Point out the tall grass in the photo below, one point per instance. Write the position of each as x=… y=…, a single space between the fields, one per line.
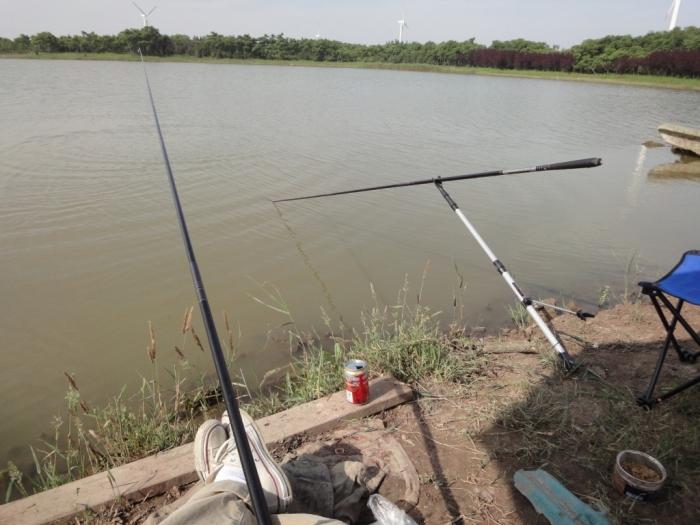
x=404 y=340
x=86 y=440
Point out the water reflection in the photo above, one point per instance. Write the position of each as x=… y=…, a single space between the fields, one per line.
x=687 y=167
x=636 y=180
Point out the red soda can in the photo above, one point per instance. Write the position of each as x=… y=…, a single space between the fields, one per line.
x=356 y=382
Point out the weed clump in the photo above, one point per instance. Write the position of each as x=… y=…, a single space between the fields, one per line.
x=403 y=340
x=408 y=342
x=86 y=440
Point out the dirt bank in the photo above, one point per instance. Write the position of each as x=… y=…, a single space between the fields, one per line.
x=524 y=412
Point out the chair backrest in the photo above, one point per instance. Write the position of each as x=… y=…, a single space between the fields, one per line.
x=683 y=281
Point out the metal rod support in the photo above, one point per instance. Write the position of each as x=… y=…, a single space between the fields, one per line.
x=544 y=327
x=579 y=313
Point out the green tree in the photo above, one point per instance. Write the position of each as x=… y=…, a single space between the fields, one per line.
x=6 y=45
x=45 y=42
x=148 y=39
x=182 y=45
x=522 y=45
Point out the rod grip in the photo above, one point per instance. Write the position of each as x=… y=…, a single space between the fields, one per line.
x=572 y=164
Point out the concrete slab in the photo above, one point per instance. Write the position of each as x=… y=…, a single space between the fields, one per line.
x=156 y=474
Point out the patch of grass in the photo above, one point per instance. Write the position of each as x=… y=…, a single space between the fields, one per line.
x=535 y=422
x=632 y=271
x=88 y=439
x=604 y=296
x=518 y=314
x=576 y=430
x=404 y=340
x=408 y=342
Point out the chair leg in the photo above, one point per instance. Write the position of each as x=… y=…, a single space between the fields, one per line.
x=685 y=355
x=654 y=296
x=646 y=399
x=678 y=389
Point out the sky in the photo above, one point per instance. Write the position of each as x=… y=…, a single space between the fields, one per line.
x=557 y=22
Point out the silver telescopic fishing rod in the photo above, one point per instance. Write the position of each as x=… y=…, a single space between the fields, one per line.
x=524 y=300
x=257 y=496
x=528 y=303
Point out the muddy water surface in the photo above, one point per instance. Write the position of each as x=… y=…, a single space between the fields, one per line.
x=91 y=250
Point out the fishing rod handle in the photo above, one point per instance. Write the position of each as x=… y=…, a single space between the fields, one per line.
x=571 y=164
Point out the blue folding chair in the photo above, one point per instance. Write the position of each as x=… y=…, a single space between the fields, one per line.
x=683 y=283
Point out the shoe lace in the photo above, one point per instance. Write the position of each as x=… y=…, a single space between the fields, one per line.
x=226 y=449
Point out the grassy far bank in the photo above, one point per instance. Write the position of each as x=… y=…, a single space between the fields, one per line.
x=690 y=84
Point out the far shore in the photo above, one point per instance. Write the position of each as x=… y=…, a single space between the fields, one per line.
x=687 y=84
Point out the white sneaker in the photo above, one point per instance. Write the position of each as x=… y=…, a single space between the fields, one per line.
x=275 y=485
x=211 y=437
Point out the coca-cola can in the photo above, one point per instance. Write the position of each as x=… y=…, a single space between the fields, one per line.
x=356 y=382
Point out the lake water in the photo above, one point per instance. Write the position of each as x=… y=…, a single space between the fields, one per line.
x=91 y=249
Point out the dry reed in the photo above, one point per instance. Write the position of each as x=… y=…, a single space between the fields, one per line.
x=187 y=320
x=229 y=335
x=151 y=348
x=196 y=339
x=71 y=381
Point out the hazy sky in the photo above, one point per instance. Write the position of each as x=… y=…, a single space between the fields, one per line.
x=562 y=22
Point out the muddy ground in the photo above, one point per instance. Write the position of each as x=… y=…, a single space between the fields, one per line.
x=524 y=411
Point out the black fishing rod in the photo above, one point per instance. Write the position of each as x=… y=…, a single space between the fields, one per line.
x=528 y=303
x=570 y=165
x=257 y=496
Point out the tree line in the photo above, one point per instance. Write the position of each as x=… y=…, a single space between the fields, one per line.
x=674 y=52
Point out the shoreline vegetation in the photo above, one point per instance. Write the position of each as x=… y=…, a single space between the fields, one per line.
x=493 y=403
x=669 y=59
x=655 y=81
x=496 y=403
x=406 y=341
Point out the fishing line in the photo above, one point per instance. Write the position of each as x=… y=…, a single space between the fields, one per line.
x=543 y=290
x=316 y=273
x=526 y=301
x=309 y=266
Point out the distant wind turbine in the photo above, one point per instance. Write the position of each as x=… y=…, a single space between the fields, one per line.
x=402 y=27
x=144 y=14
x=672 y=14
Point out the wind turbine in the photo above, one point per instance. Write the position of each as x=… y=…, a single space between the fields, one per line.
x=144 y=14
x=673 y=14
x=402 y=26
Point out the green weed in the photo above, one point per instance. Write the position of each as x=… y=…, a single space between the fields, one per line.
x=404 y=340
x=518 y=314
